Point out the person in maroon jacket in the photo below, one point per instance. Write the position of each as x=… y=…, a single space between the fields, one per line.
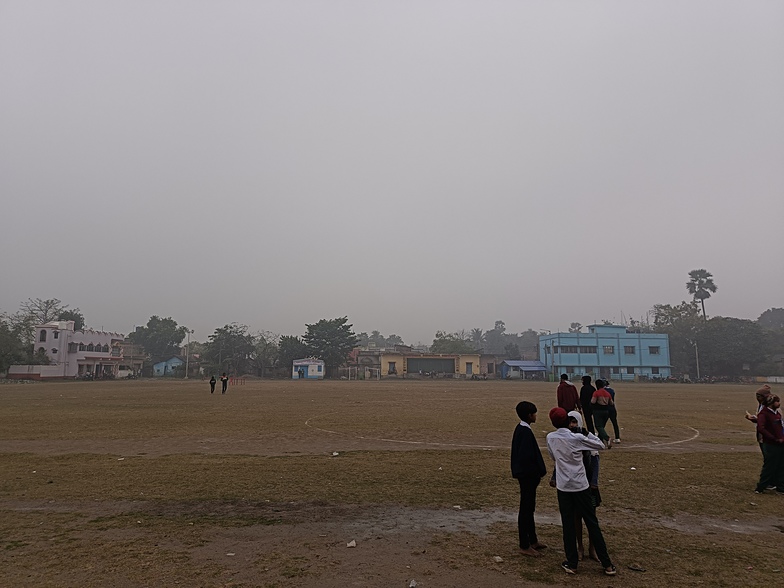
x=770 y=431
x=567 y=395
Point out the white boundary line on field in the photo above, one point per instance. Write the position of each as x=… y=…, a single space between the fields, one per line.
x=648 y=445
x=638 y=446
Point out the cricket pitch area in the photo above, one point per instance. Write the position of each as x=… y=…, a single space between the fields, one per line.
x=160 y=483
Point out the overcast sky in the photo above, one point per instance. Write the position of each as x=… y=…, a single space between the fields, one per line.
x=416 y=166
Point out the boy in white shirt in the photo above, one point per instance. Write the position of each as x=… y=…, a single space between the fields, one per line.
x=574 y=495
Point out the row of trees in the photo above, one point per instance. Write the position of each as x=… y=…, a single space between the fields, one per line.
x=234 y=349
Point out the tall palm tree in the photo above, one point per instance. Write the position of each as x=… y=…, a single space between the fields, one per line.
x=701 y=286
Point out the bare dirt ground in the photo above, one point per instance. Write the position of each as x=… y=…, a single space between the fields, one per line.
x=151 y=484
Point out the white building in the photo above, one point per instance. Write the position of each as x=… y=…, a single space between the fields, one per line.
x=72 y=354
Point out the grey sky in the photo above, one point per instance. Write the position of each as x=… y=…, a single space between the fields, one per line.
x=414 y=165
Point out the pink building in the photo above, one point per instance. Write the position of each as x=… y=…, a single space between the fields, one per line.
x=72 y=354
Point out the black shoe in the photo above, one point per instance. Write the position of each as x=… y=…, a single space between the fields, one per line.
x=568 y=569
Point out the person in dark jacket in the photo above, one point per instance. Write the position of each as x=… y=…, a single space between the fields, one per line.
x=586 y=393
x=529 y=469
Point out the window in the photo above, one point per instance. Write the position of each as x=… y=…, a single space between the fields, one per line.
x=392 y=369
x=42 y=338
x=655 y=371
x=587 y=349
x=555 y=348
x=91 y=347
x=319 y=367
x=570 y=370
x=41 y=350
x=56 y=334
x=653 y=350
x=82 y=347
x=54 y=350
x=73 y=348
x=616 y=370
x=490 y=368
x=105 y=349
x=629 y=349
x=569 y=348
x=608 y=349
x=629 y=370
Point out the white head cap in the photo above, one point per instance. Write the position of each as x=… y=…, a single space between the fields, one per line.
x=576 y=415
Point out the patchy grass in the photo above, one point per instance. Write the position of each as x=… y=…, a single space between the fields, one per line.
x=150 y=483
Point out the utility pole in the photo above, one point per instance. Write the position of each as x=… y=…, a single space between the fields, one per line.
x=188 y=353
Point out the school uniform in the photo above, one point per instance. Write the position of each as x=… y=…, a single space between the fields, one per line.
x=529 y=469
x=574 y=495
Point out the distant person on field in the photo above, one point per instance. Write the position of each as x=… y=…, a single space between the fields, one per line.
x=224 y=382
x=574 y=493
x=586 y=393
x=762 y=395
x=770 y=429
x=600 y=407
x=567 y=396
x=212 y=384
x=529 y=469
x=613 y=412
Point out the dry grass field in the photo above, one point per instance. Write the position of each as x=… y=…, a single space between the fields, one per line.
x=149 y=483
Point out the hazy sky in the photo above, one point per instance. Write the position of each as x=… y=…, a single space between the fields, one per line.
x=414 y=165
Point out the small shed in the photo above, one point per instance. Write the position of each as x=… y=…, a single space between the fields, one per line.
x=167 y=368
x=522 y=369
x=308 y=368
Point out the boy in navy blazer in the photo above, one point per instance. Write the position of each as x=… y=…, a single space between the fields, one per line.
x=528 y=467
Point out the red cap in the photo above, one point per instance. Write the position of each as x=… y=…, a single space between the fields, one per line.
x=558 y=417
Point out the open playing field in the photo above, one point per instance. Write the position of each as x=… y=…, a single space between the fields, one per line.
x=149 y=483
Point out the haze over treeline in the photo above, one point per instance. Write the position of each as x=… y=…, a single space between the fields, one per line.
x=414 y=166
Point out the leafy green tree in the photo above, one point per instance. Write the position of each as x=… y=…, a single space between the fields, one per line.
x=773 y=318
x=13 y=351
x=330 y=340
x=393 y=340
x=701 y=286
x=451 y=343
x=575 y=328
x=728 y=344
x=683 y=324
x=231 y=349
x=74 y=315
x=161 y=336
x=512 y=351
x=478 y=339
x=290 y=348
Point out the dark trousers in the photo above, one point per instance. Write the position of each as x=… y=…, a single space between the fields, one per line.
x=571 y=504
x=212 y=387
x=614 y=421
x=525 y=518
x=772 y=473
x=224 y=383
x=600 y=417
x=588 y=418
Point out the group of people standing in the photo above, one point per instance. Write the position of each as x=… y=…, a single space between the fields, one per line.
x=574 y=450
x=596 y=404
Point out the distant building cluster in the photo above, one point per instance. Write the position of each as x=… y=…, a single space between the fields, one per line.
x=605 y=351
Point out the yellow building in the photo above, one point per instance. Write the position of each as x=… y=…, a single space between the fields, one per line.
x=401 y=364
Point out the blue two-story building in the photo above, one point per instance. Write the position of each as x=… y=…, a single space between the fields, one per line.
x=608 y=352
